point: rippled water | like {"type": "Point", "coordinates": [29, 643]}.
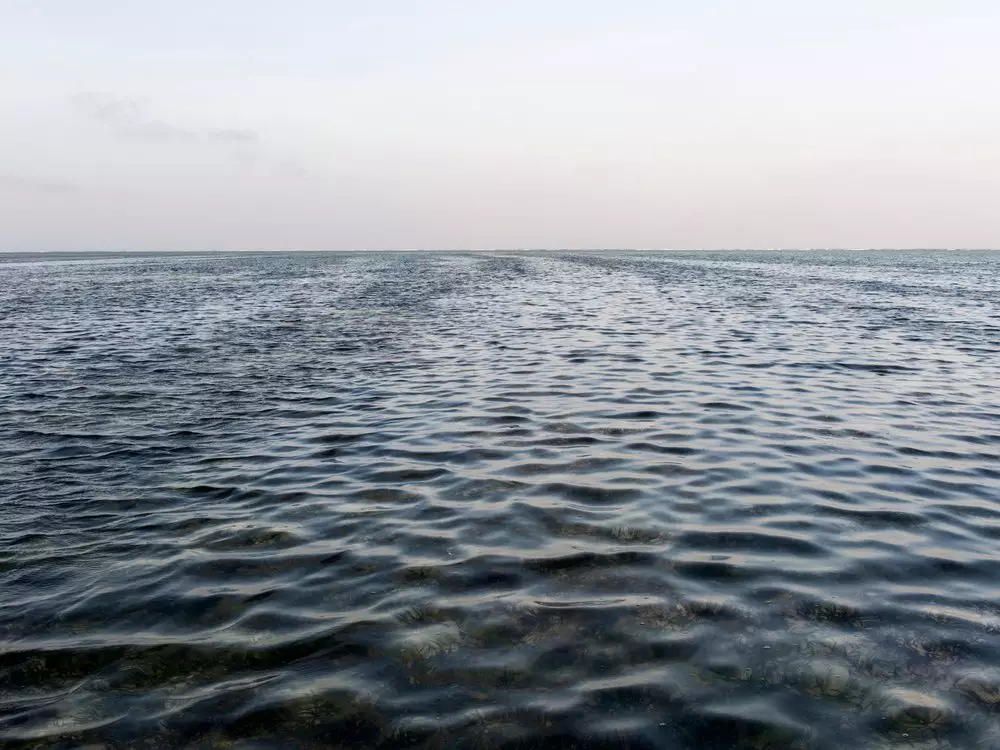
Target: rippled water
{"type": "Point", "coordinates": [740, 500]}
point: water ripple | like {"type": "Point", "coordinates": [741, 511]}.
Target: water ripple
{"type": "Point", "coordinates": [718, 500]}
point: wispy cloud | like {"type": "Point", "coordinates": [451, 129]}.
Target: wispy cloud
{"type": "Point", "coordinates": [233, 136]}
{"type": "Point", "coordinates": [108, 110]}
{"type": "Point", "coordinates": [20, 184]}
{"type": "Point", "coordinates": [157, 130]}
{"type": "Point", "coordinates": [292, 170]}
{"type": "Point", "coordinates": [127, 118]}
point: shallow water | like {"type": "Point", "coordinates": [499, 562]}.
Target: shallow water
{"type": "Point", "coordinates": [724, 500]}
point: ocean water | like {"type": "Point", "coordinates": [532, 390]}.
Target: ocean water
{"type": "Point", "coordinates": [504, 500]}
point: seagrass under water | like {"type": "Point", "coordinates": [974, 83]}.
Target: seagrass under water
{"type": "Point", "coordinates": [723, 500]}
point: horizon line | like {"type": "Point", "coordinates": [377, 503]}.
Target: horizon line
{"type": "Point", "coordinates": [90, 251]}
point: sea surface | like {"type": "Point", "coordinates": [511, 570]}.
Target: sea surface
{"type": "Point", "coordinates": [501, 500]}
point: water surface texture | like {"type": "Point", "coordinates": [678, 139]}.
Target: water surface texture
{"type": "Point", "coordinates": [507, 500]}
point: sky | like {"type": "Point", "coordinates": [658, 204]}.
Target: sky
{"type": "Point", "coordinates": [455, 124]}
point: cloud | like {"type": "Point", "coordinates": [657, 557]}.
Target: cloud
{"type": "Point", "coordinates": [233, 136]}
{"type": "Point", "coordinates": [127, 118]}
{"type": "Point", "coordinates": [107, 110]}
{"type": "Point", "coordinates": [157, 130]}
{"type": "Point", "coordinates": [292, 170]}
{"type": "Point", "coordinates": [20, 184]}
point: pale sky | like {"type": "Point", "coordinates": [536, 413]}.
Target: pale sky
{"type": "Point", "coordinates": [320, 124]}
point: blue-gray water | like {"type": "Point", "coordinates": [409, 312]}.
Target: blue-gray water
{"type": "Point", "coordinates": [608, 500]}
